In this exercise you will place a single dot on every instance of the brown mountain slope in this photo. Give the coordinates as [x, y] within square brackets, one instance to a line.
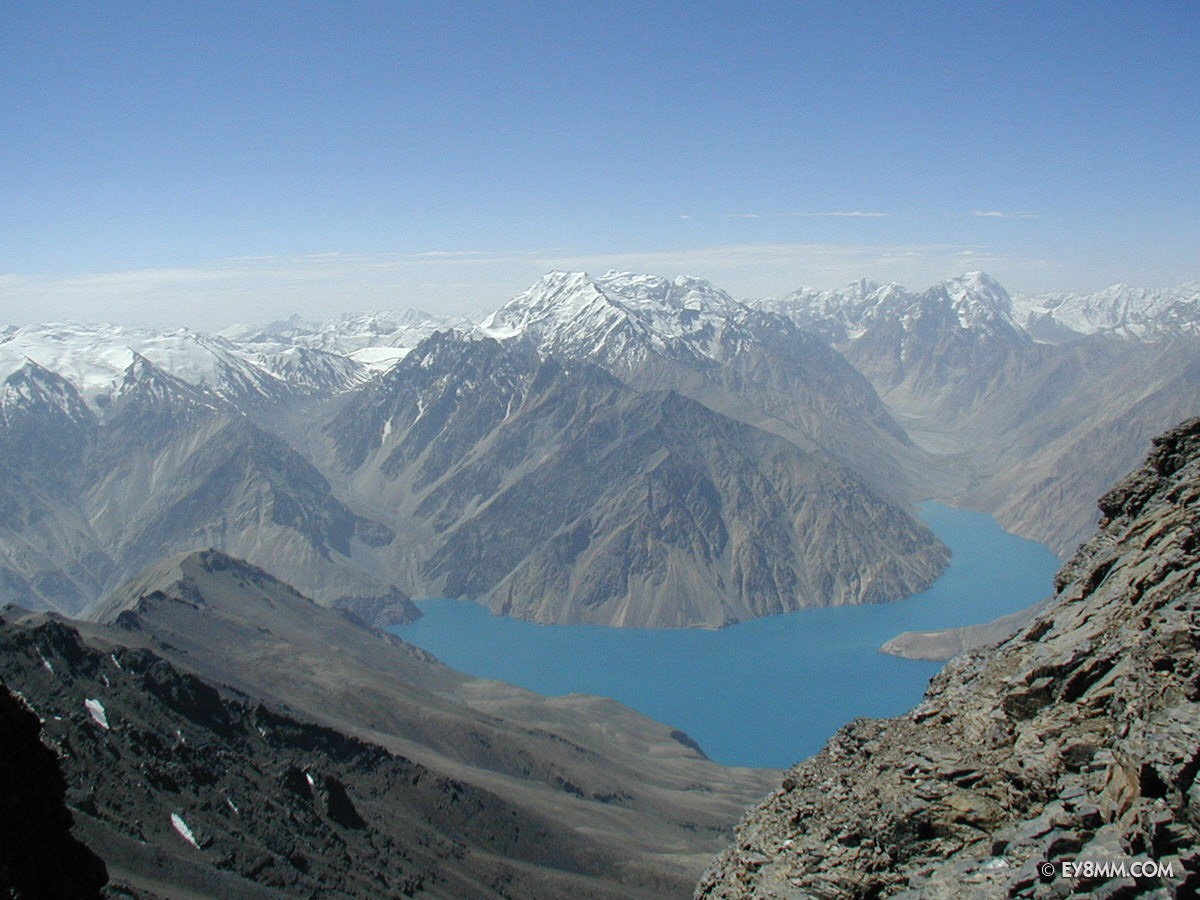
[1078, 739]
[596, 775]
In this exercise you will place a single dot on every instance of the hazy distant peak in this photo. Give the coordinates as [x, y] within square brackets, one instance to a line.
[375, 340]
[977, 299]
[844, 314]
[144, 383]
[1121, 310]
[619, 319]
[681, 292]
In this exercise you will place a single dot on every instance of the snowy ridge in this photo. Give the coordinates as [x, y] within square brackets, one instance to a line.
[839, 315]
[619, 317]
[145, 383]
[95, 359]
[615, 319]
[312, 371]
[33, 387]
[977, 301]
[376, 340]
[1144, 314]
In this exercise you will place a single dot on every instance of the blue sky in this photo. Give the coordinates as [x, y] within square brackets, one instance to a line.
[204, 163]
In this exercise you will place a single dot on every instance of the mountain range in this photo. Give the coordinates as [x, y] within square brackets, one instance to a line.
[227, 517]
[746, 449]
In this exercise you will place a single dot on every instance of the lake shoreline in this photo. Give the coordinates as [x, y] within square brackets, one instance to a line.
[768, 691]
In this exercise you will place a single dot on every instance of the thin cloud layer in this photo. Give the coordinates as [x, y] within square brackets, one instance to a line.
[1000, 214]
[465, 280]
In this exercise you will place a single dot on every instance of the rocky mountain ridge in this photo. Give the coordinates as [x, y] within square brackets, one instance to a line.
[1121, 310]
[1074, 740]
[550, 490]
[1038, 423]
[305, 752]
[1152, 315]
[374, 342]
[183, 789]
[938, 394]
[95, 495]
[685, 335]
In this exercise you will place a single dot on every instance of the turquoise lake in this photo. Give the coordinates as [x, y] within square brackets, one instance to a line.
[767, 692]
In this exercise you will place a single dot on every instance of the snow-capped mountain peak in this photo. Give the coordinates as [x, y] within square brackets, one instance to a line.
[95, 358]
[1133, 313]
[974, 301]
[652, 292]
[618, 318]
[555, 300]
[977, 299]
[32, 387]
[838, 315]
[145, 383]
[376, 340]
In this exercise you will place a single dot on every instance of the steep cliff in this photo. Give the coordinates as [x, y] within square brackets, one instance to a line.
[1075, 741]
[38, 855]
[550, 491]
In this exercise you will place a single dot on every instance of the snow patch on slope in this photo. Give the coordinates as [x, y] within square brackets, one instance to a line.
[96, 710]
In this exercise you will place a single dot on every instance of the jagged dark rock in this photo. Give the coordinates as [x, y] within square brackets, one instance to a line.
[1076, 739]
[210, 680]
[39, 858]
[231, 795]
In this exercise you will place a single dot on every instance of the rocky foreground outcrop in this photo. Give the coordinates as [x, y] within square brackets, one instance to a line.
[38, 855]
[1060, 762]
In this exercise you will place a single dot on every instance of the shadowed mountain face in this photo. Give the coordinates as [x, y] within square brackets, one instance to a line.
[556, 493]
[304, 751]
[751, 365]
[38, 855]
[1039, 429]
[1075, 739]
[166, 466]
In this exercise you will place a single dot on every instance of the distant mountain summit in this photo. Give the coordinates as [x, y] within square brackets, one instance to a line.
[933, 353]
[374, 341]
[1140, 314]
[94, 495]
[1153, 315]
[752, 365]
[943, 347]
[1038, 417]
[95, 359]
[617, 320]
[837, 315]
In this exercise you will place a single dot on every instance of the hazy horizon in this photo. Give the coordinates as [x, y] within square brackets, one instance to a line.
[205, 165]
